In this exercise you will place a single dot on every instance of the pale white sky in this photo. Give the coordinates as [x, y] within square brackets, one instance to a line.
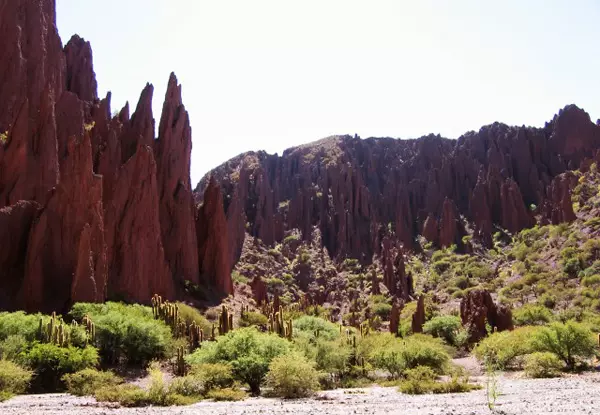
[271, 74]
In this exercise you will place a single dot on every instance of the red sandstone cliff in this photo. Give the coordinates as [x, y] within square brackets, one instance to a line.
[358, 191]
[93, 205]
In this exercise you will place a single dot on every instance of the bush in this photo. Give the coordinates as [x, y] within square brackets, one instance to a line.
[503, 350]
[417, 350]
[87, 381]
[13, 346]
[19, 323]
[311, 325]
[126, 394]
[292, 376]
[421, 380]
[252, 318]
[571, 342]
[542, 365]
[127, 332]
[14, 379]
[382, 310]
[447, 328]
[227, 394]
[248, 351]
[214, 375]
[190, 386]
[191, 315]
[531, 315]
[51, 362]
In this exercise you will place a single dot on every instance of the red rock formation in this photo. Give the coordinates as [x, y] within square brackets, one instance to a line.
[449, 225]
[172, 152]
[32, 66]
[478, 309]
[352, 189]
[418, 317]
[15, 224]
[259, 290]
[559, 207]
[66, 258]
[81, 79]
[394, 272]
[395, 318]
[213, 253]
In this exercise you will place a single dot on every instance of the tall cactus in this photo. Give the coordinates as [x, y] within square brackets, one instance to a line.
[180, 367]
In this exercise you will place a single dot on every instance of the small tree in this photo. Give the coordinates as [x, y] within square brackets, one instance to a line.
[570, 341]
[293, 376]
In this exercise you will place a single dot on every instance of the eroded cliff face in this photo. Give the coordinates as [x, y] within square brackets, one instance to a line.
[362, 193]
[93, 205]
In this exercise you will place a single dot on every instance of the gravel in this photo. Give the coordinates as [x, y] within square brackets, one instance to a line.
[569, 395]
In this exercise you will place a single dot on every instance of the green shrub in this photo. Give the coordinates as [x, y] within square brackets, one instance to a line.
[87, 381]
[416, 350]
[127, 332]
[447, 328]
[191, 315]
[542, 365]
[382, 310]
[505, 349]
[51, 362]
[126, 394]
[189, 385]
[252, 318]
[292, 376]
[214, 375]
[13, 346]
[422, 380]
[591, 280]
[571, 342]
[248, 351]
[14, 379]
[312, 325]
[531, 315]
[19, 323]
[227, 394]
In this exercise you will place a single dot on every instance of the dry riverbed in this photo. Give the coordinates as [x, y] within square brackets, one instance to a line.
[578, 394]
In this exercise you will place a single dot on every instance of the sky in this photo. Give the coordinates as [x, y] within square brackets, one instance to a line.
[272, 74]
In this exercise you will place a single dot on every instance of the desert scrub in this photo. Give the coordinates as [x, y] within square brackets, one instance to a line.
[542, 365]
[531, 315]
[21, 324]
[571, 342]
[213, 375]
[448, 328]
[417, 350]
[422, 380]
[506, 349]
[247, 350]
[226, 394]
[251, 318]
[87, 381]
[126, 333]
[14, 379]
[293, 376]
[51, 362]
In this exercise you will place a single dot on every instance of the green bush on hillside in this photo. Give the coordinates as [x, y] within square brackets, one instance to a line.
[14, 379]
[506, 349]
[542, 365]
[248, 351]
[292, 376]
[87, 381]
[51, 362]
[531, 315]
[448, 328]
[571, 342]
[126, 332]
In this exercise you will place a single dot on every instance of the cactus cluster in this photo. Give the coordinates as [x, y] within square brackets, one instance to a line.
[196, 336]
[179, 366]
[278, 325]
[225, 321]
[55, 332]
[90, 328]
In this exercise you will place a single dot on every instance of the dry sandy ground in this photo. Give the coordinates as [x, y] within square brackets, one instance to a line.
[569, 395]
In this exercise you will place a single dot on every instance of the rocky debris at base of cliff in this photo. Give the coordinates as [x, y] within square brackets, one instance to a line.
[478, 311]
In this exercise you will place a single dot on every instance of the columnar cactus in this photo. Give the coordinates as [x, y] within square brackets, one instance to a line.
[180, 367]
[225, 321]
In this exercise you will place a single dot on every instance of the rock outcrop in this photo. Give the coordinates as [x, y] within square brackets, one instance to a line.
[477, 309]
[94, 205]
[213, 252]
[358, 191]
[418, 317]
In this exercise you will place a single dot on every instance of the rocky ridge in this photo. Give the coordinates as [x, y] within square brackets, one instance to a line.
[93, 206]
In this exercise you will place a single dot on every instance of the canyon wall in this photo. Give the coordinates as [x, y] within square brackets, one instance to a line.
[92, 206]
